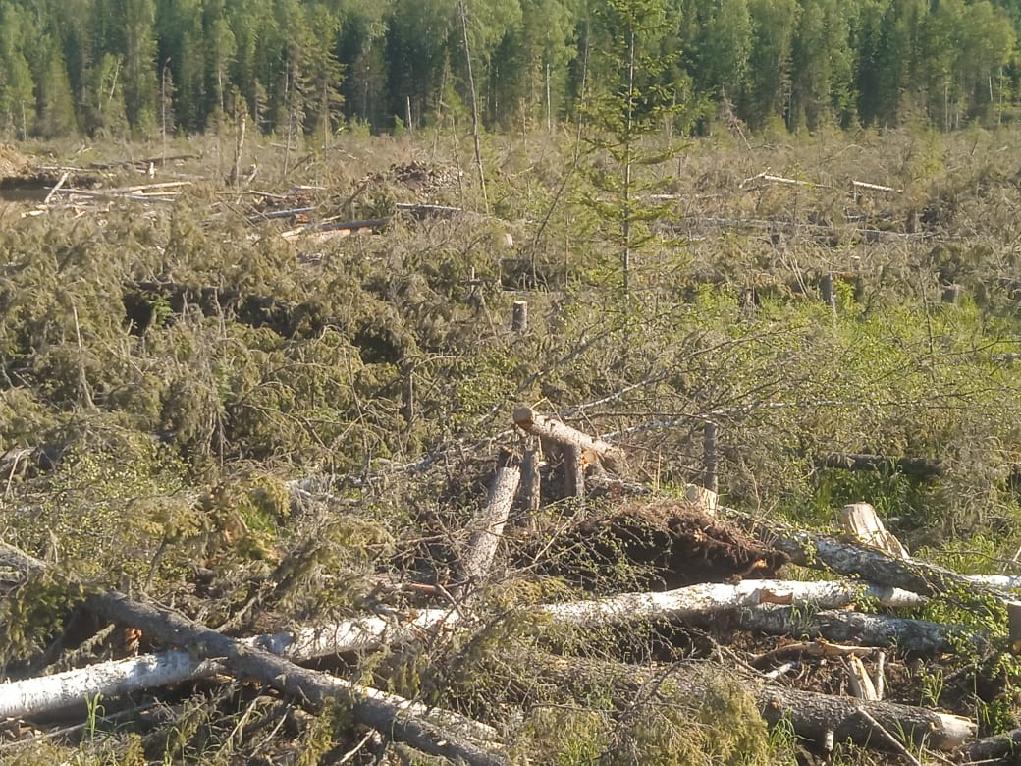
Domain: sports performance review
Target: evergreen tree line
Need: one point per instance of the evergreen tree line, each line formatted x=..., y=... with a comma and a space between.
x=115, y=67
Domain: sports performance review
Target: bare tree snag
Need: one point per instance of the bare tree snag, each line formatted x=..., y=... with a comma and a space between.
x=462, y=12
x=812, y=715
x=533, y=423
x=863, y=524
x=818, y=551
x=485, y=539
x=574, y=472
x=710, y=447
x=239, y=145
x=519, y=316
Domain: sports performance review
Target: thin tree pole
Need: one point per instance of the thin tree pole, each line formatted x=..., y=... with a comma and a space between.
x=625, y=224
x=163, y=108
x=549, y=102
x=462, y=12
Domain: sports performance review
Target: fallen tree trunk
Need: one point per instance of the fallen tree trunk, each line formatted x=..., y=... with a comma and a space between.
x=811, y=715
x=856, y=627
x=389, y=714
x=815, y=550
x=709, y=599
x=921, y=468
x=533, y=423
x=698, y=604
x=485, y=539
x=1001, y=749
x=433, y=731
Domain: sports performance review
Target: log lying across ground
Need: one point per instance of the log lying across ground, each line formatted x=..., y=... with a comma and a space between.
x=922, y=468
x=432, y=731
x=1003, y=748
x=856, y=627
x=386, y=713
x=812, y=549
x=812, y=715
x=697, y=604
x=555, y=430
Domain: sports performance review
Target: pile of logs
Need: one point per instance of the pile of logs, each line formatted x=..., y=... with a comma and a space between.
x=865, y=565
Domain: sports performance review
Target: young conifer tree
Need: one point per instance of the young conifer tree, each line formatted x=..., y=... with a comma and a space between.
x=624, y=117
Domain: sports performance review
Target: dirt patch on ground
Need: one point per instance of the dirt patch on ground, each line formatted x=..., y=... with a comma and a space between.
x=668, y=544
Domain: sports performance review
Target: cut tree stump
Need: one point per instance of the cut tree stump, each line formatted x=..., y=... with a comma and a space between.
x=862, y=523
x=859, y=680
x=519, y=316
x=531, y=479
x=705, y=499
x=574, y=471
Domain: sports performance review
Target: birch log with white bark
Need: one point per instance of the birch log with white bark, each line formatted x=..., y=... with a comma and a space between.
x=839, y=625
x=488, y=527
x=697, y=604
x=437, y=732
x=533, y=423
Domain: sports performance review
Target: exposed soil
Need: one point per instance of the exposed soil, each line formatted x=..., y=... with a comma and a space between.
x=670, y=544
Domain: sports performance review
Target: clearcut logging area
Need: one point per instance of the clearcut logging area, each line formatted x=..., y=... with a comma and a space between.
x=322, y=456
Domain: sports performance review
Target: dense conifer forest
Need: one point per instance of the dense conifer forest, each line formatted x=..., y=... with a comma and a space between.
x=118, y=67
